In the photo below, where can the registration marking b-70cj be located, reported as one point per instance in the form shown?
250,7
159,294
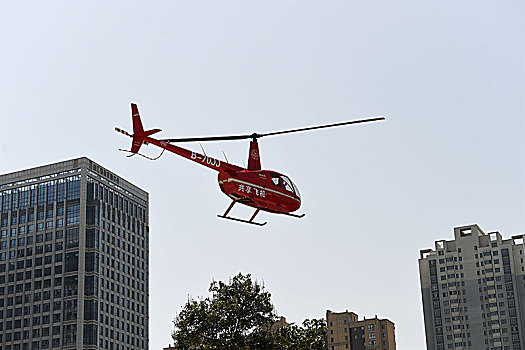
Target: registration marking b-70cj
205,159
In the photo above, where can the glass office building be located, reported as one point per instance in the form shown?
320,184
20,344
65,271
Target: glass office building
73,259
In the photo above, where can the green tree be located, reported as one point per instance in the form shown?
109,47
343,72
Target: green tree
311,336
239,315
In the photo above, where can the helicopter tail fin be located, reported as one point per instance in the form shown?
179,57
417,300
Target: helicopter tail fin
135,118
139,134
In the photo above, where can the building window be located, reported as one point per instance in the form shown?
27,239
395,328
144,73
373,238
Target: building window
72,238
60,190
91,262
71,262
73,215
51,192
70,310
69,335
73,188
90,334
70,286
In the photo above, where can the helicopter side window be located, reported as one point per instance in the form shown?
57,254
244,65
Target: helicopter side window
275,179
287,183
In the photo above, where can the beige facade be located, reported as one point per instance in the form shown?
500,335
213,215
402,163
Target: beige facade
345,331
473,291
280,323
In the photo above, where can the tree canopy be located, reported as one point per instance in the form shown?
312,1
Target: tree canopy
240,315
311,335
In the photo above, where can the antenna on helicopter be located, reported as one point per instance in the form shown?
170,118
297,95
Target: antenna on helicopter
226,158
202,148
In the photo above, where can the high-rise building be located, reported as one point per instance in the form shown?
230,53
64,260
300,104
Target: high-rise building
473,291
345,331
73,259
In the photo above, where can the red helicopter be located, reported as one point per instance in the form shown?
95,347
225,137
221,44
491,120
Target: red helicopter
265,190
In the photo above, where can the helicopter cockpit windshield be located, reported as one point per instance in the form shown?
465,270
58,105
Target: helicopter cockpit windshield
290,186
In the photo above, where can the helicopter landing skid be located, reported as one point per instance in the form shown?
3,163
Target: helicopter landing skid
225,216
285,213
294,215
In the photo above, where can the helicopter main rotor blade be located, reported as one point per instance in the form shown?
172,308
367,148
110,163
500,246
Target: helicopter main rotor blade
256,135
321,126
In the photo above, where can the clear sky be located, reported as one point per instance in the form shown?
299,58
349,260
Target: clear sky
449,76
